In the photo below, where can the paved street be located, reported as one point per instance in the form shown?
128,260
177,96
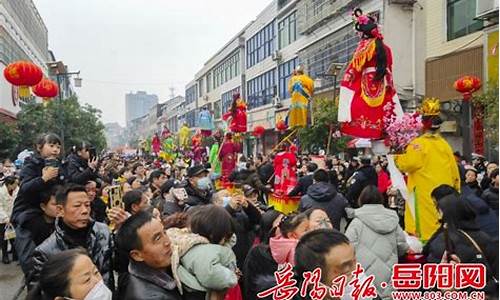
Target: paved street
10,281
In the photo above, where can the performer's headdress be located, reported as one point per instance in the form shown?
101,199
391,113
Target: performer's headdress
366,24
430,110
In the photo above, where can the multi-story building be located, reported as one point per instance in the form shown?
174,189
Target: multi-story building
317,34
23,36
138,104
170,112
114,135
461,38
63,80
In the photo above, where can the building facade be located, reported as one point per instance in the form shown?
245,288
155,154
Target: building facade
317,34
461,39
138,104
23,36
114,135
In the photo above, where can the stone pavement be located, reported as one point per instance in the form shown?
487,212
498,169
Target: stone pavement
11,278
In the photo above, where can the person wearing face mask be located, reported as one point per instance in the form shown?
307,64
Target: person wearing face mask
82,164
74,228
70,275
197,186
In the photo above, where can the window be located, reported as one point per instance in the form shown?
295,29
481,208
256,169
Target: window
287,31
226,70
200,87
191,118
284,73
209,82
261,90
335,48
261,45
217,110
227,99
191,94
460,18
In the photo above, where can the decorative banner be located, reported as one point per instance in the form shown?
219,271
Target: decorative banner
478,129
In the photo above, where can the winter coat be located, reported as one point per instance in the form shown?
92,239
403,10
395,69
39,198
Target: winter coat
99,248
199,266
302,185
196,197
463,248
485,216
363,177
379,241
384,182
323,195
245,222
32,185
490,195
78,170
6,203
249,177
265,172
258,272
145,282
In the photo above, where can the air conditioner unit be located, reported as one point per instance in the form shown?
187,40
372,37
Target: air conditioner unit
486,8
277,102
276,56
205,98
319,83
403,2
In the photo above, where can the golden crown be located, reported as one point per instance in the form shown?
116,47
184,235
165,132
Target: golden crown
430,107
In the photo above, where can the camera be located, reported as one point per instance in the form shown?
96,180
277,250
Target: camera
55,163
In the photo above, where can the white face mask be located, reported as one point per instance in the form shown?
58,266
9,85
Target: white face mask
99,292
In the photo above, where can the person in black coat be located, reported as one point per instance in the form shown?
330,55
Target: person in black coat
322,194
490,195
471,181
305,181
246,217
197,186
82,164
462,227
366,175
148,247
76,229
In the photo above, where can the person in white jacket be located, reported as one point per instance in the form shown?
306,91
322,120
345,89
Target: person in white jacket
8,192
379,241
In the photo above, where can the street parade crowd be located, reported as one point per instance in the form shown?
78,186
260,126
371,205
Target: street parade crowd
188,216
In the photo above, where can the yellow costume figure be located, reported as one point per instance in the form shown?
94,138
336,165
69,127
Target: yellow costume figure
184,136
301,88
429,163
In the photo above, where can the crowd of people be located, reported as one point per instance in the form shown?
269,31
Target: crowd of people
171,233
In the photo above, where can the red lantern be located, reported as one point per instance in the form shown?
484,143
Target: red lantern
281,125
467,85
23,74
258,131
46,89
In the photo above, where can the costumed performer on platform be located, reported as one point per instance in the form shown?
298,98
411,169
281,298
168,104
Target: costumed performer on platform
285,171
169,148
301,88
184,133
197,148
205,121
156,144
227,155
367,85
237,115
213,157
429,163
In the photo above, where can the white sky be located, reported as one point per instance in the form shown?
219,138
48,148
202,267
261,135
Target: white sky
128,45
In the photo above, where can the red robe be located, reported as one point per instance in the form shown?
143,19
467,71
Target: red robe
362,99
238,121
227,155
285,171
155,143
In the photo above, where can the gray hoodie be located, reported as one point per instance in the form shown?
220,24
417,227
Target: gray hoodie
379,241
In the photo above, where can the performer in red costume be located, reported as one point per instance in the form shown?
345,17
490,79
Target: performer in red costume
227,155
237,115
285,171
367,85
156,144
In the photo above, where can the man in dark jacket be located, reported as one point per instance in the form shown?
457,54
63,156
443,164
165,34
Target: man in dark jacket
79,169
148,247
490,195
305,181
76,229
322,194
366,175
197,186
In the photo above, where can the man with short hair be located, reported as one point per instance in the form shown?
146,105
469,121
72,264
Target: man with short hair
156,179
149,250
366,175
135,201
74,228
322,194
305,181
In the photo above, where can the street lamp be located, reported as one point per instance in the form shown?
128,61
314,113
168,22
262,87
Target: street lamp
58,69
